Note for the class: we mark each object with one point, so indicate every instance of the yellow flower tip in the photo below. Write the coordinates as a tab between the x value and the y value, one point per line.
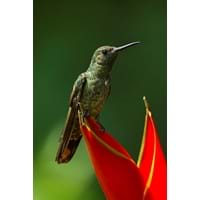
146	103
146	106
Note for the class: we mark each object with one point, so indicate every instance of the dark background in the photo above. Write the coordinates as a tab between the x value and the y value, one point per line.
66	33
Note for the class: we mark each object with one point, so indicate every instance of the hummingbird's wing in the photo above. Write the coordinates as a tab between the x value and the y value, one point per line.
68	145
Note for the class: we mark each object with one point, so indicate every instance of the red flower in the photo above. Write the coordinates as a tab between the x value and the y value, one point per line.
118	174
152	162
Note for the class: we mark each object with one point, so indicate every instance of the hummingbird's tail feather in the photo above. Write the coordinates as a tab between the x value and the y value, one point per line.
70	137
69	150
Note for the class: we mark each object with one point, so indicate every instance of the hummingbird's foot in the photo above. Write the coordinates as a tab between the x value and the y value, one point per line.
86	113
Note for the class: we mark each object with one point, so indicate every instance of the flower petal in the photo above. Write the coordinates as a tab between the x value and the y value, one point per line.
152	162
117	173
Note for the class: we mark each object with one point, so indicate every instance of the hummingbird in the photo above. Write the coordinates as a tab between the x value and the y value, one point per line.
90	90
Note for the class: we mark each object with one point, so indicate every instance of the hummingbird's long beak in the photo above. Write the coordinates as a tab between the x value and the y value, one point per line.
116	49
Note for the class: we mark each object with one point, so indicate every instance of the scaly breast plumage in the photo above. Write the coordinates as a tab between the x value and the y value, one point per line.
94	96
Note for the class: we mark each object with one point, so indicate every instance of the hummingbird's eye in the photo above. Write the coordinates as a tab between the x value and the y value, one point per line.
104	52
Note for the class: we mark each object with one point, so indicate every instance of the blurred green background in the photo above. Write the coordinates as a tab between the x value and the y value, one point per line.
66	33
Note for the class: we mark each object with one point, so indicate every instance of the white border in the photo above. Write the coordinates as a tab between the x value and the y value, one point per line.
183	99
16	28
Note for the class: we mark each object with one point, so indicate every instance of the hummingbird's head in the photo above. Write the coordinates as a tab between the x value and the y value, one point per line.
105	56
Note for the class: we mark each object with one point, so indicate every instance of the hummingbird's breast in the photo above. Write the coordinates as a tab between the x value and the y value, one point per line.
95	94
